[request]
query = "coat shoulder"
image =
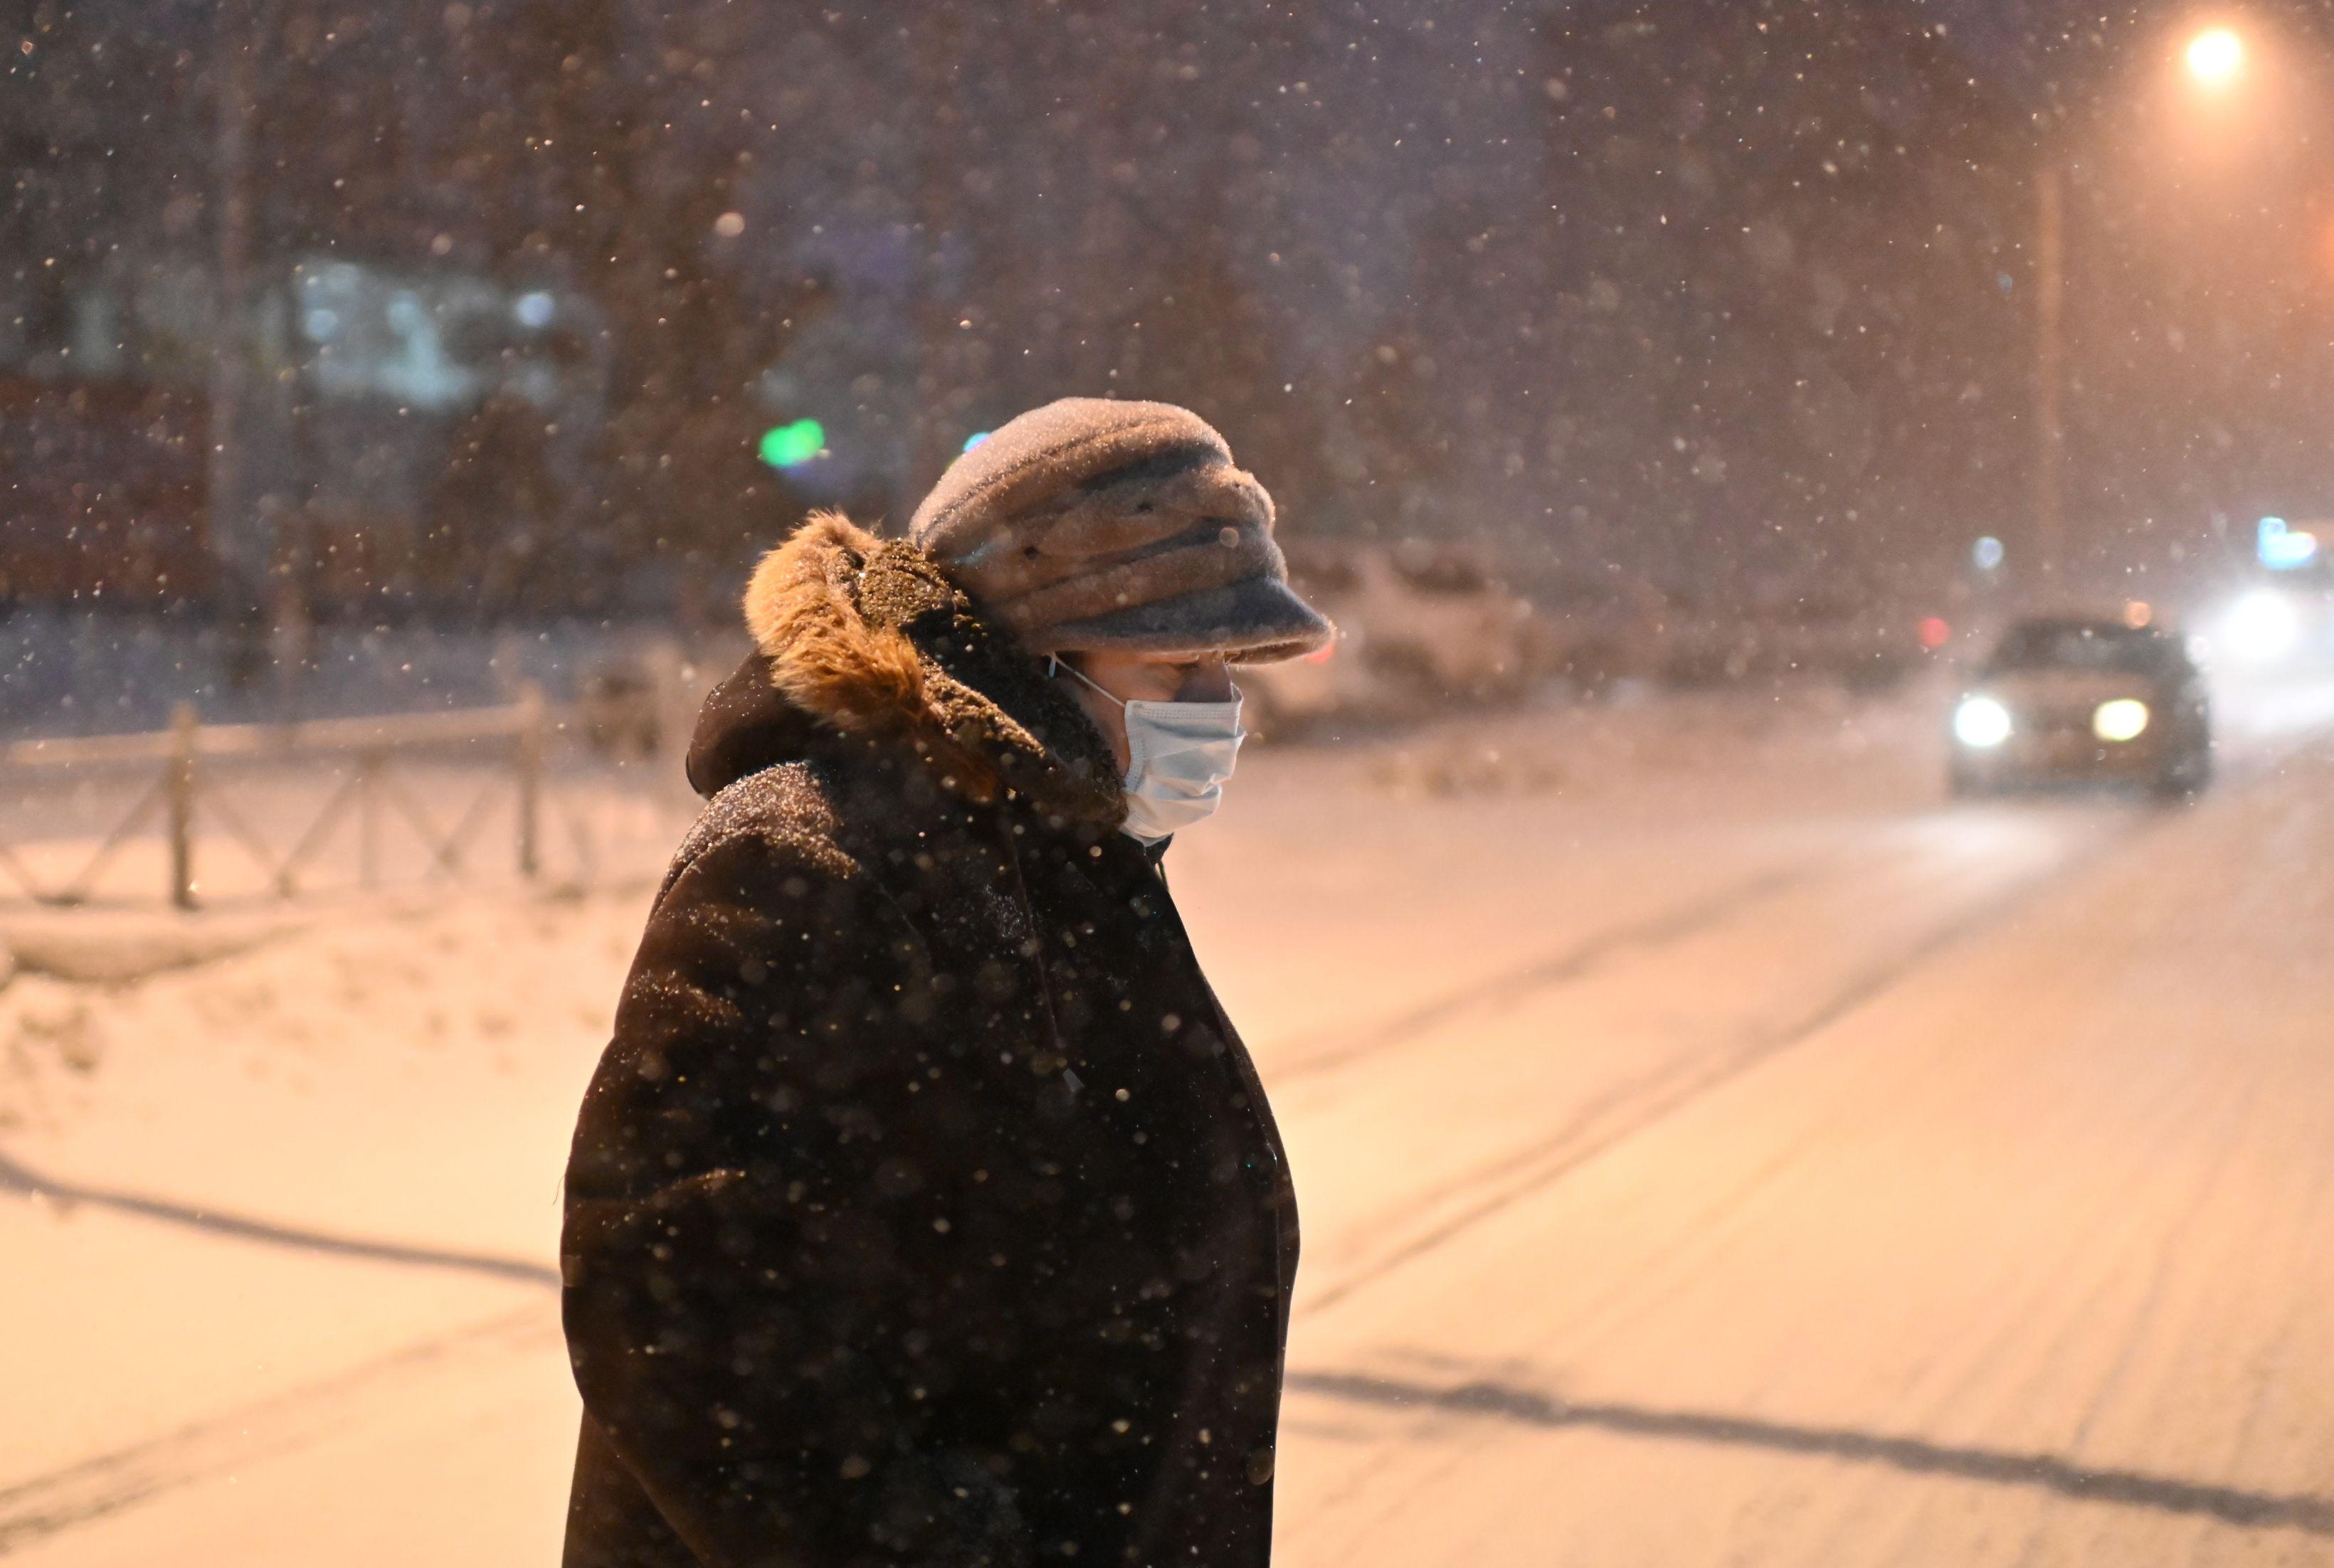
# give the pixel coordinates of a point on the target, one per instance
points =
(789, 808)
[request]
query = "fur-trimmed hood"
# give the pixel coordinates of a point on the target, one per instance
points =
(867, 646)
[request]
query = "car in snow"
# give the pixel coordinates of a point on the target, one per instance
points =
(2072, 700)
(1418, 624)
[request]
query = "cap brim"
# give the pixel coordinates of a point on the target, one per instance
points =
(1257, 622)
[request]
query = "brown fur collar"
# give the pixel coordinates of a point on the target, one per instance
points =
(873, 639)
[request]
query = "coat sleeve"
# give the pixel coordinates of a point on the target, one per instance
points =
(768, 1280)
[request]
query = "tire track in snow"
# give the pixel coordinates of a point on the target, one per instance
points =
(1664, 929)
(21, 1179)
(91, 1489)
(2308, 1512)
(2057, 1311)
(1581, 1140)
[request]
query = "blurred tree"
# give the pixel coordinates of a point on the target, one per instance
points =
(1778, 238)
(1400, 423)
(493, 506)
(1205, 339)
(1164, 232)
(580, 175)
(1451, 364)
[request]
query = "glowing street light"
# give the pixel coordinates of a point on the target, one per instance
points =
(2216, 56)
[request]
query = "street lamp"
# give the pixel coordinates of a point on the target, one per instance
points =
(2216, 57)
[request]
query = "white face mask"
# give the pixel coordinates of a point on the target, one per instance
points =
(1179, 754)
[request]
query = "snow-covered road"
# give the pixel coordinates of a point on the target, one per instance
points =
(1712, 1147)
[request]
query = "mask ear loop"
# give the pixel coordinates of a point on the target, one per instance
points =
(1055, 667)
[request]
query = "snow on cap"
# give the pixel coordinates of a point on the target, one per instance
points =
(1095, 523)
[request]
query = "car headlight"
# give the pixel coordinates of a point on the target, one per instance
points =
(2122, 719)
(1980, 722)
(2262, 626)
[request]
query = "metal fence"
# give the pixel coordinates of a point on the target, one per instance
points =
(458, 789)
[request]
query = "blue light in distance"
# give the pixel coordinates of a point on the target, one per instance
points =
(2282, 548)
(1987, 552)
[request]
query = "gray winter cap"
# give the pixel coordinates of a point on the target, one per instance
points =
(1092, 523)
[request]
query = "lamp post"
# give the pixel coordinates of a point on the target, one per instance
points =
(2215, 59)
(2050, 370)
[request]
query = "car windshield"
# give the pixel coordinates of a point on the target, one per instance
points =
(2061, 645)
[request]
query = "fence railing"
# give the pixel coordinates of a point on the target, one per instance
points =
(368, 760)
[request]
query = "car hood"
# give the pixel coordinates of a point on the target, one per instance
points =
(2058, 688)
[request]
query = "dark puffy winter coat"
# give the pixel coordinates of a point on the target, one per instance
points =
(925, 1208)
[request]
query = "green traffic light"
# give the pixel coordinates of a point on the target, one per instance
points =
(785, 446)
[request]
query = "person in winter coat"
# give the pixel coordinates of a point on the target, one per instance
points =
(925, 1207)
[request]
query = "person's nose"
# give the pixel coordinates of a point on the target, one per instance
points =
(1208, 682)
